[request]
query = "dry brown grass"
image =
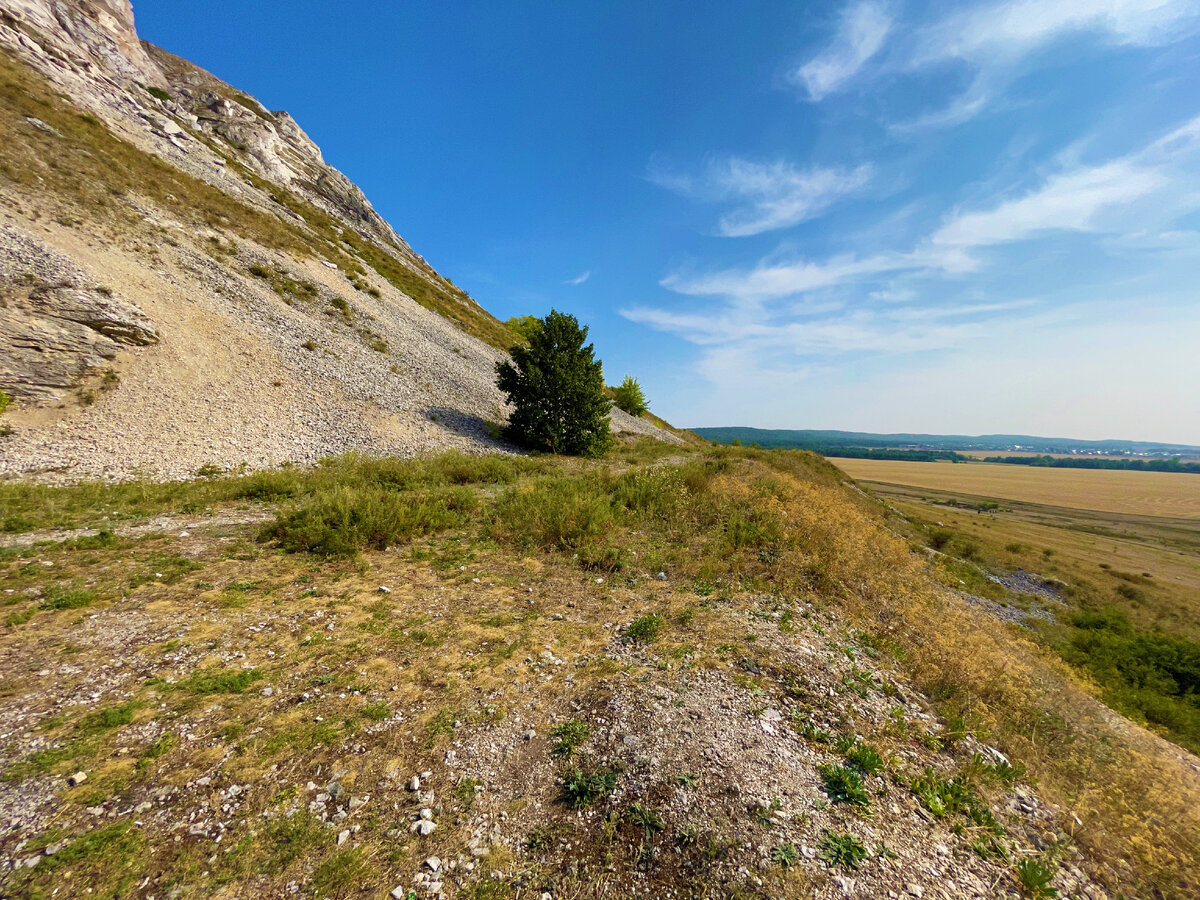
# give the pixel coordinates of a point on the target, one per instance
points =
(729, 525)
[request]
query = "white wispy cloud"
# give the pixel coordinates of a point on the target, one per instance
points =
(774, 280)
(1071, 201)
(1003, 32)
(579, 279)
(995, 38)
(1082, 199)
(764, 196)
(1090, 198)
(863, 29)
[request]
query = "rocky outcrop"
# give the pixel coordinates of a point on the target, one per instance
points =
(91, 33)
(54, 334)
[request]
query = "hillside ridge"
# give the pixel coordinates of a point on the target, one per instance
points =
(188, 284)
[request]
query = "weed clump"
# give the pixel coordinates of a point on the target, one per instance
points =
(570, 735)
(844, 785)
(843, 851)
(584, 785)
(646, 629)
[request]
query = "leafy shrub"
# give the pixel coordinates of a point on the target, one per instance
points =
(628, 396)
(524, 326)
(342, 521)
(1142, 673)
(556, 388)
(938, 538)
(5, 401)
(554, 513)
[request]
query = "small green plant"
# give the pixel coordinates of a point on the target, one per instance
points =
(377, 711)
(645, 629)
(158, 93)
(5, 402)
(540, 839)
(843, 851)
(866, 759)
(464, 792)
(584, 785)
(1034, 876)
(645, 818)
(765, 814)
(785, 855)
(569, 736)
(844, 785)
(809, 730)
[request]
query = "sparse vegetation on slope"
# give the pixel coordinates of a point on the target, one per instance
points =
(81, 168)
(787, 611)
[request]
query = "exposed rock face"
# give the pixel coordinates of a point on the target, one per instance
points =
(99, 32)
(54, 334)
(60, 335)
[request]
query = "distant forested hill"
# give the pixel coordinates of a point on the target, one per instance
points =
(829, 441)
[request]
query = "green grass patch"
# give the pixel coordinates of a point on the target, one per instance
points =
(219, 681)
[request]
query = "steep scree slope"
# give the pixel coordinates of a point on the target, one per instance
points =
(185, 282)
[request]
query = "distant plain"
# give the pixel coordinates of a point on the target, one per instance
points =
(1159, 494)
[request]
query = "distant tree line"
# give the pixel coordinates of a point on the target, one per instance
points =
(910, 455)
(1074, 462)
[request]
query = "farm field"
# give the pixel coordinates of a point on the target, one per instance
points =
(1160, 494)
(1119, 589)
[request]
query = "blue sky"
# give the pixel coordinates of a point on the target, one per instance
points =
(881, 216)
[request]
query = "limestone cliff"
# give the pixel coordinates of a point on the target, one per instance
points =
(185, 282)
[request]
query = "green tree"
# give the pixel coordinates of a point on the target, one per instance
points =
(556, 388)
(629, 397)
(524, 326)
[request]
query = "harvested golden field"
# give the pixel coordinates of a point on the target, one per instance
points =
(1165, 494)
